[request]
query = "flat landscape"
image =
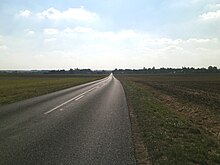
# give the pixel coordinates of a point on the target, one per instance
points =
(110, 82)
(175, 119)
(178, 117)
(16, 87)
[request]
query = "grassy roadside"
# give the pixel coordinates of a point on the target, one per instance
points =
(168, 137)
(19, 87)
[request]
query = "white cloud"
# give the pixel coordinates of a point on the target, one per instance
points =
(29, 32)
(25, 13)
(84, 47)
(126, 38)
(51, 31)
(47, 40)
(105, 55)
(213, 6)
(78, 29)
(79, 14)
(127, 34)
(195, 1)
(3, 47)
(211, 15)
(200, 40)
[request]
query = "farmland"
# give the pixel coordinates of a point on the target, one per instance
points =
(16, 87)
(177, 117)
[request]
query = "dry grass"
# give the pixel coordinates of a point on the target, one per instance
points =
(22, 86)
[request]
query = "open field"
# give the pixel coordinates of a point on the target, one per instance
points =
(16, 87)
(178, 116)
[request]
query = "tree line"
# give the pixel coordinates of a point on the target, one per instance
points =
(153, 70)
(78, 71)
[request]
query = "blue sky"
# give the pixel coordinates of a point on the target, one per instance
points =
(54, 34)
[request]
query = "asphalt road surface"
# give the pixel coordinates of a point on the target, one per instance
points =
(87, 124)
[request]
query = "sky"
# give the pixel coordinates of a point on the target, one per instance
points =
(109, 34)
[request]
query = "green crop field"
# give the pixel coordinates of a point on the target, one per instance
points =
(16, 87)
(178, 117)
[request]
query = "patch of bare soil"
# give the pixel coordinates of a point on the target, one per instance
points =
(199, 114)
(200, 97)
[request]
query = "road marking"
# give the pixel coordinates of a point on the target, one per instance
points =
(79, 97)
(59, 106)
(74, 98)
(88, 91)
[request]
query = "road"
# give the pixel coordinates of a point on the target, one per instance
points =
(87, 124)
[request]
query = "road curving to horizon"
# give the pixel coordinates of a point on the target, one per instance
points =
(86, 124)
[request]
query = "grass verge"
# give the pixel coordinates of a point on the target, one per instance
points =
(169, 137)
(19, 87)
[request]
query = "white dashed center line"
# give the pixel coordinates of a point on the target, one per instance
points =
(72, 99)
(79, 98)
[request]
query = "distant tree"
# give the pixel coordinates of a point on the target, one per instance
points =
(71, 70)
(212, 69)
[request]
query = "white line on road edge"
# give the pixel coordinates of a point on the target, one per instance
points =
(74, 98)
